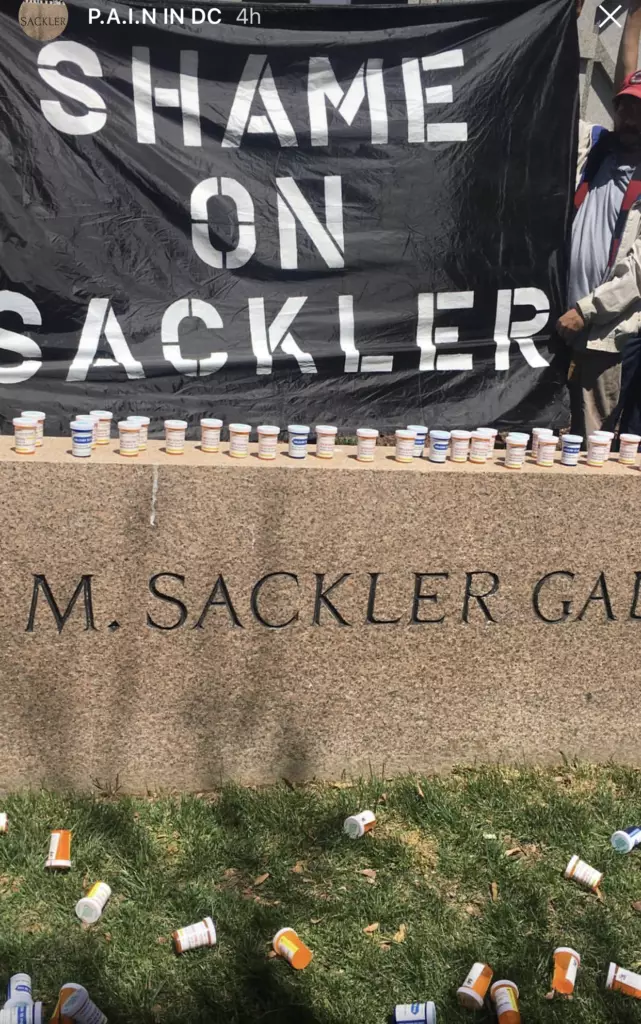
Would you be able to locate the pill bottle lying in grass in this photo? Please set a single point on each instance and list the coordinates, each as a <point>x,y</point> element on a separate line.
<point>290,946</point>
<point>89,909</point>
<point>582,873</point>
<point>473,991</point>
<point>620,980</point>
<point>203,933</point>
<point>566,963</point>
<point>358,824</point>
<point>505,996</point>
<point>421,1013</point>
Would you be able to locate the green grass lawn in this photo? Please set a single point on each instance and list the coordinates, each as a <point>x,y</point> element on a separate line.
<point>170,861</point>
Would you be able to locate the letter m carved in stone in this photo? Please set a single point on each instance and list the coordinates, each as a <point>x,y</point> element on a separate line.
<point>84,588</point>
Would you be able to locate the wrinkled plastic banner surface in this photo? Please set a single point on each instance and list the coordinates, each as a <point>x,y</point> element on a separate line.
<point>355,216</point>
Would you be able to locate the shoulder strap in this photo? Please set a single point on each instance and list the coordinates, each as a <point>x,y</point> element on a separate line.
<point>600,145</point>
<point>632,193</point>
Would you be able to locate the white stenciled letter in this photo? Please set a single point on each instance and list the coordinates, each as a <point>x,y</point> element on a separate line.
<point>521,331</point>
<point>292,206</point>
<point>266,340</point>
<point>416,97</point>
<point>353,360</point>
<point>20,344</point>
<point>449,335</point>
<point>74,53</point>
<point>101,318</point>
<point>322,87</point>
<point>170,335</point>
<point>257,77</point>
<point>246,246</point>
<point>185,97</point>
<point>428,336</point>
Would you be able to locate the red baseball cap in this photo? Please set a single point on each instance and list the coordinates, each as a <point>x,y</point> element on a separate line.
<point>631,86</point>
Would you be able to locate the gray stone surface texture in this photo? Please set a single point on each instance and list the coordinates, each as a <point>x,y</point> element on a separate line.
<point>600,27</point>
<point>233,693</point>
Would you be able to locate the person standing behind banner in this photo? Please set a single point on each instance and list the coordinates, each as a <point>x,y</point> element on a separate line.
<point>604,282</point>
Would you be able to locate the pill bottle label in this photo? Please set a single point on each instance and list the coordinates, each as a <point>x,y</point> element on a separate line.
<point>570,974</point>
<point>325,444</point>
<point>587,875</point>
<point>83,1012</point>
<point>287,947</point>
<point>479,449</point>
<point>504,1000</point>
<point>515,456</point>
<point>405,450</point>
<point>545,454</point>
<point>411,1012</point>
<point>366,448</point>
<point>239,445</point>
<point>210,439</point>
<point>175,441</point>
<point>627,982</point>
<point>40,430</point>
<point>597,454</point>
<point>298,447</point>
<point>478,971</point>
<point>129,442</point>
<point>570,454</point>
<point>267,446</point>
<point>100,892</point>
<point>460,449</point>
<point>59,849</point>
<point>634,833</point>
<point>194,936</point>
<point>25,439</point>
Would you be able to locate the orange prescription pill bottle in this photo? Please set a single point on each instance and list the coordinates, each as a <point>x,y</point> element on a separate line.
<point>473,991</point>
<point>566,964</point>
<point>59,855</point>
<point>620,980</point>
<point>288,944</point>
<point>505,996</point>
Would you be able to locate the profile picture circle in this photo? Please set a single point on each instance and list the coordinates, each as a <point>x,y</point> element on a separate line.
<point>43,21</point>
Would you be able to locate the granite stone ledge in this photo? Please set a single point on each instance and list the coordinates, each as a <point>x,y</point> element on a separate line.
<point>183,620</point>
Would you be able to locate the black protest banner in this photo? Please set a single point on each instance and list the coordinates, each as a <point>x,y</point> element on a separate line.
<point>288,214</point>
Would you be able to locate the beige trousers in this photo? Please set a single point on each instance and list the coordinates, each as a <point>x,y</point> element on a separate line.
<point>594,380</point>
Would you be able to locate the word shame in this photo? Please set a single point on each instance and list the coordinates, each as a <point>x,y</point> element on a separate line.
<point>258,106</point>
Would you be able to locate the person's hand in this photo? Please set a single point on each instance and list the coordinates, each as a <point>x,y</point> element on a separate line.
<point>570,324</point>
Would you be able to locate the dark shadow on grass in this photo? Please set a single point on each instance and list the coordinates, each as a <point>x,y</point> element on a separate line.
<point>258,995</point>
